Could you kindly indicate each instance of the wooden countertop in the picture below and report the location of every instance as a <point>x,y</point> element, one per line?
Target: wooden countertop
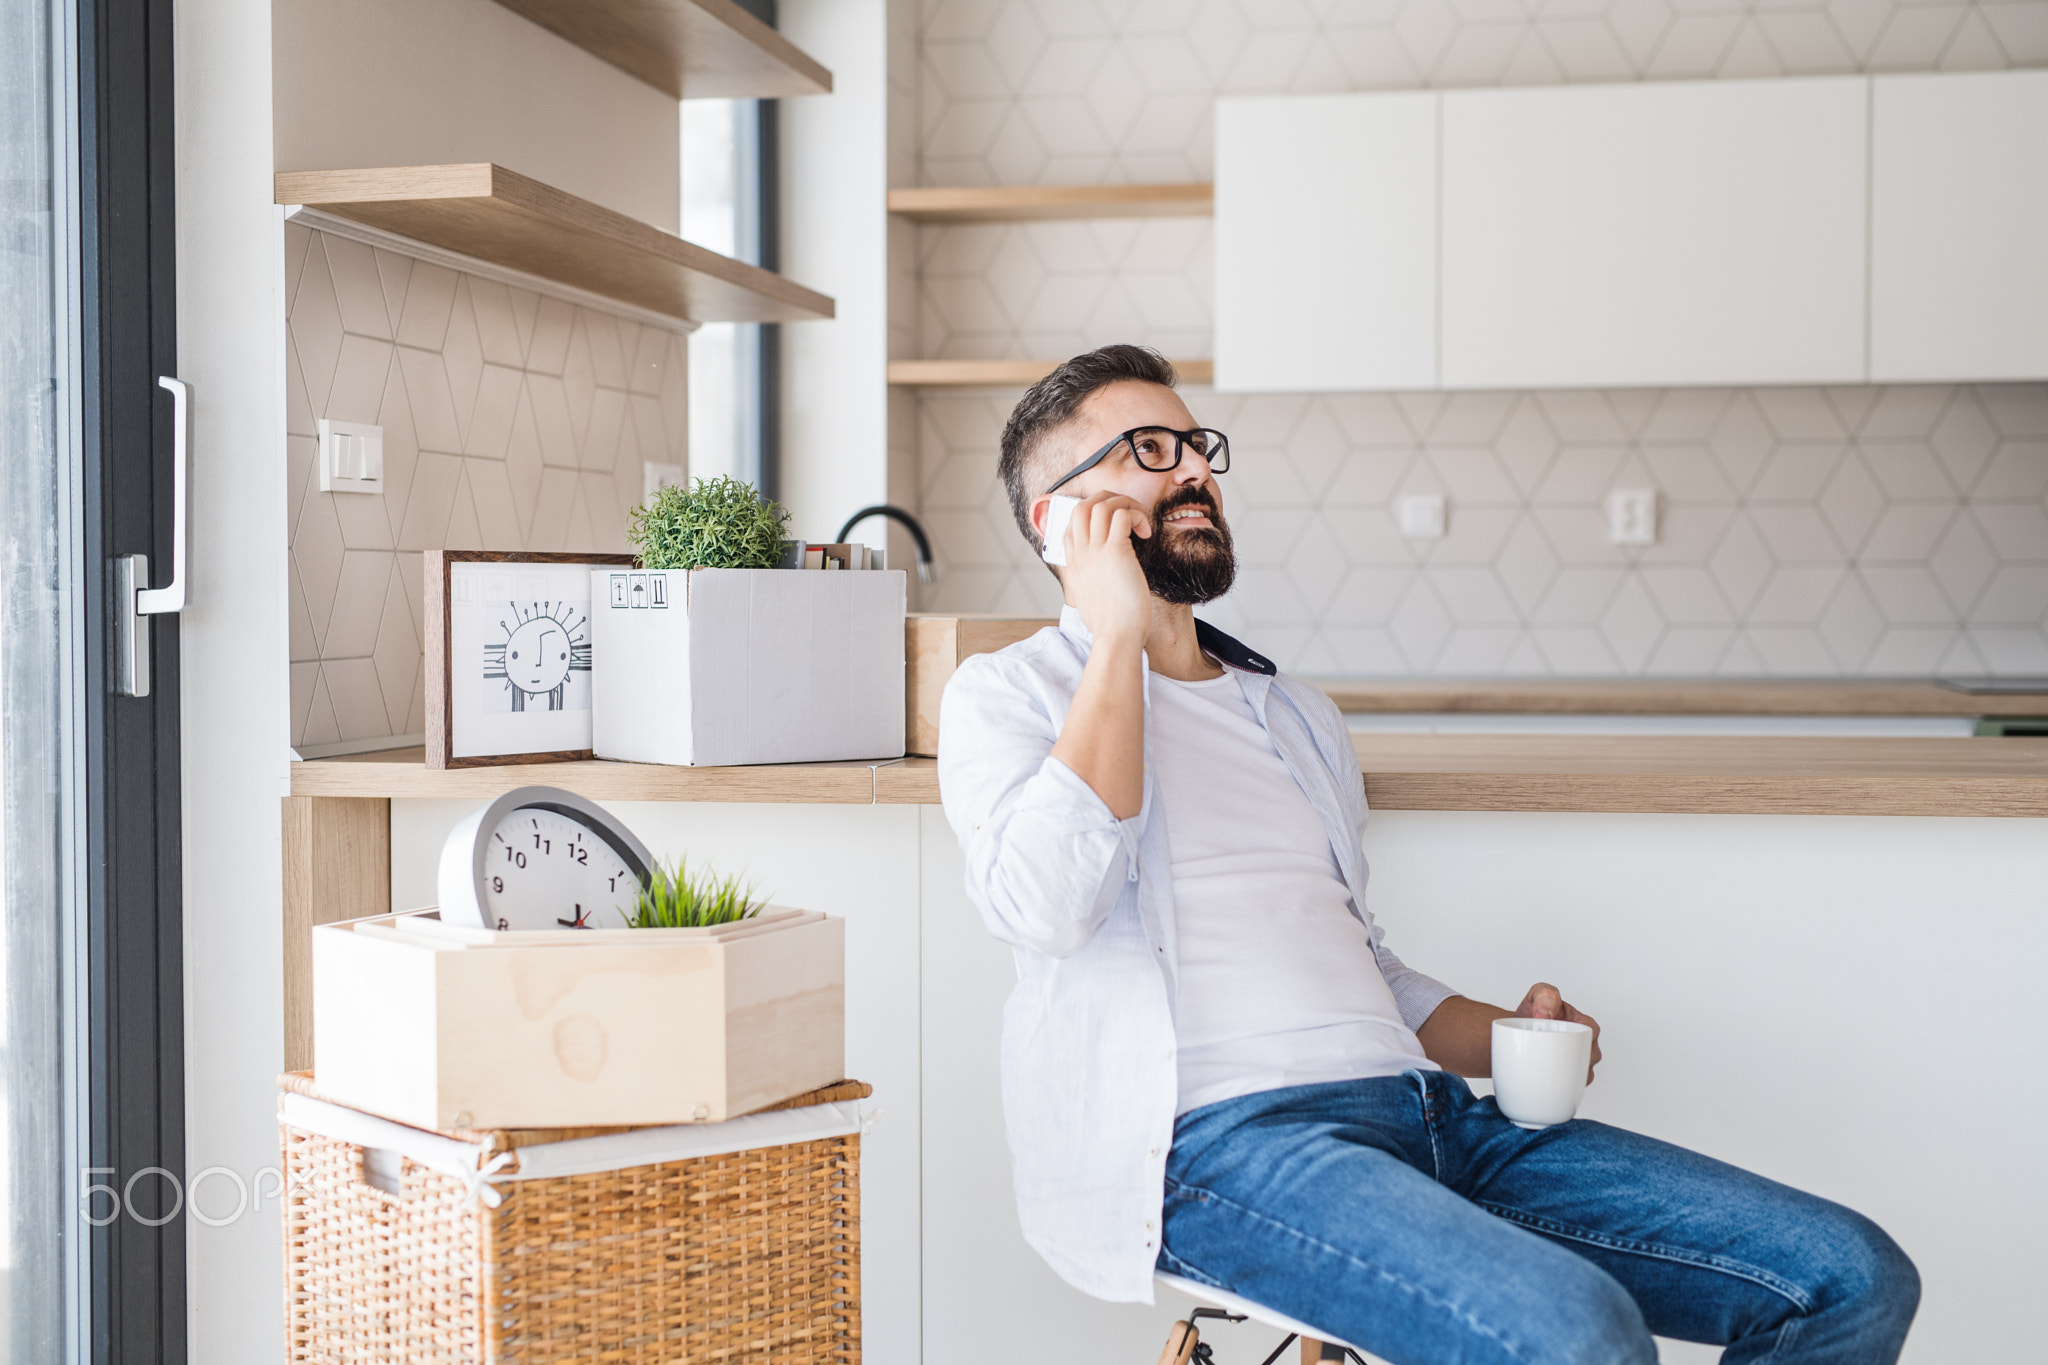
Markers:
<point>1646,773</point>
<point>1731,776</point>
<point>1679,697</point>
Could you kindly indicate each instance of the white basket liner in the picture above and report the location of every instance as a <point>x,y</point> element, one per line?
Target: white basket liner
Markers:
<point>474,1163</point>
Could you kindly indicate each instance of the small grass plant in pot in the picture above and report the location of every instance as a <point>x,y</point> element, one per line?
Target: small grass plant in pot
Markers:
<point>721,523</point>
<point>677,898</point>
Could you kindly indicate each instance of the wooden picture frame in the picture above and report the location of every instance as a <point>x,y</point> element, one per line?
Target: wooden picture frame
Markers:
<point>454,682</point>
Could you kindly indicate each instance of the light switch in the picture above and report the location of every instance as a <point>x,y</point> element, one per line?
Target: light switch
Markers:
<point>1422,516</point>
<point>654,477</point>
<point>351,457</point>
<point>1632,516</point>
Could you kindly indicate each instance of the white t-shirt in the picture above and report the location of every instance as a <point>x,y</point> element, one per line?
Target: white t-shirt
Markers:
<point>1278,984</point>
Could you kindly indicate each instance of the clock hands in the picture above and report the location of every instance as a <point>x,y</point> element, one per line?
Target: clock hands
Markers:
<point>578,922</point>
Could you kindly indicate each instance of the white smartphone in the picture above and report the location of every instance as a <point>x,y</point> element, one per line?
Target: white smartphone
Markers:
<point>1056,518</point>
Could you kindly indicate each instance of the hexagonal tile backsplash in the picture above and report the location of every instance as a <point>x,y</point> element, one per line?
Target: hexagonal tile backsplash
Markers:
<point>512,421</point>
<point>1802,531</point>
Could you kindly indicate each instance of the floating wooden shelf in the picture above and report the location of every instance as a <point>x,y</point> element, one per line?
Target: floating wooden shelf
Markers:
<point>1006,374</point>
<point>1009,203</point>
<point>404,773</point>
<point>502,217</point>
<point>691,49</point>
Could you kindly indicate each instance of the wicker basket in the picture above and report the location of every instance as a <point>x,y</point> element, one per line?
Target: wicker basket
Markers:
<point>743,1256</point>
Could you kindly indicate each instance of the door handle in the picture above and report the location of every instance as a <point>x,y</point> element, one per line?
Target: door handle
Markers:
<point>134,599</point>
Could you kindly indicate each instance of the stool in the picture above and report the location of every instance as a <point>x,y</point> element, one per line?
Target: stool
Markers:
<point>1184,1342</point>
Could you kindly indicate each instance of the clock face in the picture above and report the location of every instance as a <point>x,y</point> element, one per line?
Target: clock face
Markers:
<point>547,869</point>
<point>541,858</point>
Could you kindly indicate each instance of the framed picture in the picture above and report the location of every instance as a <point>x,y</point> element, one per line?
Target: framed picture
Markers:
<point>508,656</point>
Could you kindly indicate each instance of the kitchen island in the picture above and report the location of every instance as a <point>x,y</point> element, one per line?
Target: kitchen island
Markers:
<point>1811,956</point>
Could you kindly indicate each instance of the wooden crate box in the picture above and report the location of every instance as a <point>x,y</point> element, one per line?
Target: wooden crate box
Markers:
<point>446,1027</point>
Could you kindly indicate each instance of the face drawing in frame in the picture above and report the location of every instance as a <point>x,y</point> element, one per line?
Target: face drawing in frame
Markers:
<point>543,642</point>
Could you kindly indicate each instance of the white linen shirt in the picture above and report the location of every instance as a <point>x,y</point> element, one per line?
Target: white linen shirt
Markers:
<point>1085,901</point>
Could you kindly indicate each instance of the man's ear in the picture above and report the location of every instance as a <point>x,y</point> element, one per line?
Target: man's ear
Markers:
<point>1038,513</point>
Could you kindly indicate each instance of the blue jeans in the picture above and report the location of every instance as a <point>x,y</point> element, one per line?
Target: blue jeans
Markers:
<point>1406,1216</point>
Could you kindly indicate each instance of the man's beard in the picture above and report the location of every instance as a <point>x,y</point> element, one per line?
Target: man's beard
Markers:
<point>1190,565</point>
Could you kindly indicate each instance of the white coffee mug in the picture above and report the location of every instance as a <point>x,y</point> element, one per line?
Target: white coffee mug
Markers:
<point>1539,1069</point>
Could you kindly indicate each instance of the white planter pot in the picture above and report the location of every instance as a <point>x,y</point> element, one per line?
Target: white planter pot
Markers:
<point>721,666</point>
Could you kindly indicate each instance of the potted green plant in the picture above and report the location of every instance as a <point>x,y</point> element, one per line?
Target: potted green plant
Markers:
<point>677,898</point>
<point>721,523</point>
<point>702,653</point>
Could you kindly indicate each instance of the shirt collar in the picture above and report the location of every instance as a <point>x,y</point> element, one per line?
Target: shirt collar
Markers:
<point>1220,647</point>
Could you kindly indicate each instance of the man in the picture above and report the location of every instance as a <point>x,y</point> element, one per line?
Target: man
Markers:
<point>1212,1063</point>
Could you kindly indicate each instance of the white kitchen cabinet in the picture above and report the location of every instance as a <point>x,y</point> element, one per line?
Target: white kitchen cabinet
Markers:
<point>1705,232</point>
<point>1959,227</point>
<point>1326,238</point>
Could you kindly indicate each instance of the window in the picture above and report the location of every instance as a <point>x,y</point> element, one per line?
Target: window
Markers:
<point>710,174</point>
<point>730,206</point>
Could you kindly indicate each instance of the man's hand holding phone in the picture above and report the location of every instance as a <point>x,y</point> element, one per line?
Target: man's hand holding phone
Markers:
<point>1102,576</point>
<point>1103,738</point>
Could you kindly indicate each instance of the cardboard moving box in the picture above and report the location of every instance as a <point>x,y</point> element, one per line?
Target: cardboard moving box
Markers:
<point>721,666</point>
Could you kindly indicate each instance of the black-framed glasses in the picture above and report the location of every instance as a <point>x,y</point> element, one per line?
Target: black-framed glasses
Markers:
<point>1149,448</point>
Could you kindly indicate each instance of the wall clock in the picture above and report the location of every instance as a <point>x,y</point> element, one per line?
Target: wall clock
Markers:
<point>541,858</point>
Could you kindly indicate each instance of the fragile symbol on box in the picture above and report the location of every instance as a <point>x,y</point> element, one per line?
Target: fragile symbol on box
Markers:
<point>619,590</point>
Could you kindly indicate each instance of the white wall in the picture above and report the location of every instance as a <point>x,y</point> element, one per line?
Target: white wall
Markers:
<point>457,80</point>
<point>405,83</point>
<point>835,239</point>
<point>232,640</point>
<point>512,421</point>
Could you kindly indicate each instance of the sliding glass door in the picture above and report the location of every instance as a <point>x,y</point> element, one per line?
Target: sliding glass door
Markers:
<point>91,1119</point>
<point>40,722</point>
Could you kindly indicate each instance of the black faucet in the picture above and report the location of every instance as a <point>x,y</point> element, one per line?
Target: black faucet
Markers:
<point>925,573</point>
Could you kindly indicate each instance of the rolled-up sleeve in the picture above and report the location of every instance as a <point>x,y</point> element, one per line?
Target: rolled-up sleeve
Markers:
<point>1046,859</point>
<point>1415,995</point>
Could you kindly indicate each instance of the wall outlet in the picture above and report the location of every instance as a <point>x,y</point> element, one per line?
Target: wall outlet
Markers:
<point>1422,516</point>
<point>351,457</point>
<point>654,477</point>
<point>1632,516</point>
